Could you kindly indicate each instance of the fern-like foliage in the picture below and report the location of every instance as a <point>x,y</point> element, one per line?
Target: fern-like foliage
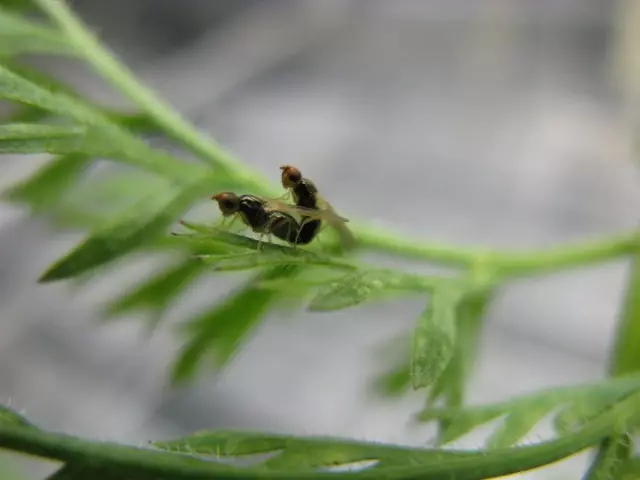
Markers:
<point>104,178</point>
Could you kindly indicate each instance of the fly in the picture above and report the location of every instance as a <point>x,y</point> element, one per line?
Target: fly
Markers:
<point>311,207</point>
<point>253,212</point>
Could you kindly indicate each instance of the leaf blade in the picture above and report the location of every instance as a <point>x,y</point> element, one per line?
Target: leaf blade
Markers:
<point>111,243</point>
<point>364,285</point>
<point>223,327</point>
<point>434,337</point>
<point>47,185</point>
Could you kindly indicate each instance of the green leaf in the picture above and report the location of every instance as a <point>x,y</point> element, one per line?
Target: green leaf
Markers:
<point>524,408</point>
<point>359,287</point>
<point>47,186</point>
<point>583,410</point>
<point>469,320</point>
<point>37,138</point>
<point>222,328</point>
<point>269,258</point>
<point>110,139</point>
<point>625,353</point>
<point>136,122</point>
<point>629,470</point>
<point>302,454</point>
<point>111,243</point>
<point>9,417</point>
<point>518,423</point>
<point>434,337</point>
<point>451,384</point>
<point>394,382</point>
<point>610,462</point>
<point>158,292</point>
<point>19,36</point>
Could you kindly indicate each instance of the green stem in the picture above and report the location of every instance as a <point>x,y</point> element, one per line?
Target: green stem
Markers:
<point>459,466</point>
<point>626,349</point>
<point>175,126</point>
<point>506,263</point>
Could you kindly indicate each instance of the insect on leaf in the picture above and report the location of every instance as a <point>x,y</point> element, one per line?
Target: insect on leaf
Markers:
<point>434,337</point>
<point>111,243</point>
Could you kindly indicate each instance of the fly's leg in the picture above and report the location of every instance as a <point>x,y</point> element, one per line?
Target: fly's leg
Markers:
<point>225,223</point>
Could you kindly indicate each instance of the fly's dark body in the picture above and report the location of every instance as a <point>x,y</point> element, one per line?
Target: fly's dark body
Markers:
<point>253,212</point>
<point>305,194</point>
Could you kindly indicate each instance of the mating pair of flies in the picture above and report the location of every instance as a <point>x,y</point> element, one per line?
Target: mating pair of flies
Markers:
<point>275,217</point>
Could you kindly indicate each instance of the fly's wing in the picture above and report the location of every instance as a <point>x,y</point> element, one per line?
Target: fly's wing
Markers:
<point>347,239</point>
<point>326,213</point>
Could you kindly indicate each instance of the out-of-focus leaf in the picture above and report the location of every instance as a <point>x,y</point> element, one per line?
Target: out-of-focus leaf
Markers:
<point>136,122</point>
<point>395,381</point>
<point>614,452</point>
<point>221,329</point>
<point>9,417</point>
<point>157,293</point>
<point>583,410</point>
<point>45,188</point>
<point>19,35</point>
<point>524,408</point>
<point>85,471</point>
<point>28,138</point>
<point>37,138</point>
<point>115,241</point>
<point>110,139</point>
<point>363,285</point>
<point>626,354</point>
<point>451,384</point>
<point>269,258</point>
<point>434,337</point>
<point>629,470</point>
<point>518,424</point>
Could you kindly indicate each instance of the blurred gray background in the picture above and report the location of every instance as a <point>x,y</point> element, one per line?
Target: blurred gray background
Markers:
<point>505,123</point>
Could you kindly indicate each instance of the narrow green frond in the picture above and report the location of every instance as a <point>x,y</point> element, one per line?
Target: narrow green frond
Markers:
<point>220,330</point>
<point>435,336</point>
<point>368,284</point>
<point>524,412</point>
<point>21,36</point>
<point>48,185</point>
<point>117,240</point>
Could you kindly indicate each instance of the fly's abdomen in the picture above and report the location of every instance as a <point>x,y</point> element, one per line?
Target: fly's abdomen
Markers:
<point>308,231</point>
<point>284,226</point>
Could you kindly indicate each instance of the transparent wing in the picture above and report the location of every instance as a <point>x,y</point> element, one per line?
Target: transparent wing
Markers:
<point>326,213</point>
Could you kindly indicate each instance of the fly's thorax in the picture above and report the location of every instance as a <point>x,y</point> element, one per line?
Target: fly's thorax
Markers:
<point>253,213</point>
<point>305,194</point>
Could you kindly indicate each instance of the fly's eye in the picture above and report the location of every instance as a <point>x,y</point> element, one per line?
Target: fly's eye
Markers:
<point>228,204</point>
<point>295,176</point>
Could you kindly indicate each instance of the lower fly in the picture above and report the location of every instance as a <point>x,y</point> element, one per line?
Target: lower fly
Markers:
<point>253,212</point>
